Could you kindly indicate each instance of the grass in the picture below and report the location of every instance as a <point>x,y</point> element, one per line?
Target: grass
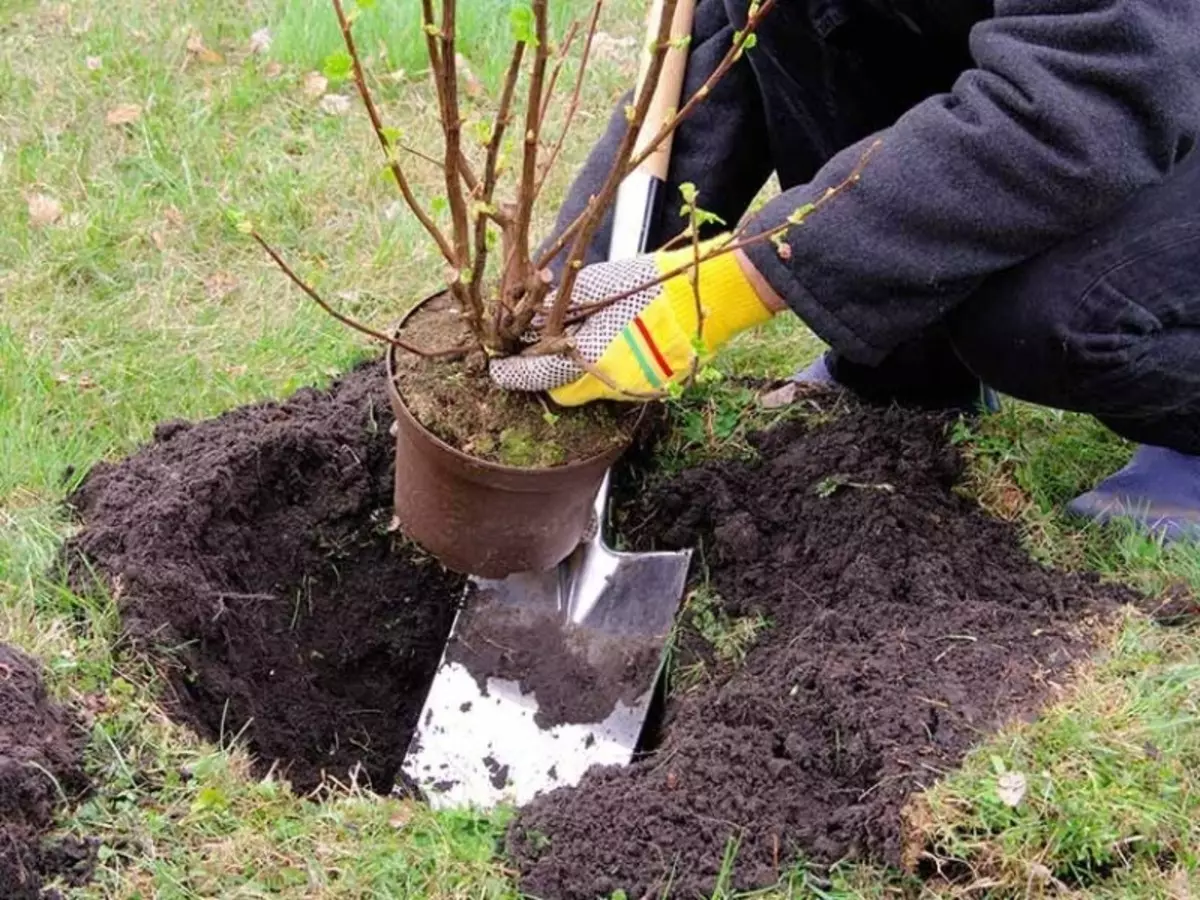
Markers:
<point>141,302</point>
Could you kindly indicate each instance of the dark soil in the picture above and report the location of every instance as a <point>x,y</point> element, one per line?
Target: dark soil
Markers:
<point>905,624</point>
<point>577,673</point>
<point>458,402</point>
<point>40,743</point>
<point>251,554</point>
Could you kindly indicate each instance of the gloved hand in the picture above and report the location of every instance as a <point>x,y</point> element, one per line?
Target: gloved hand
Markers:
<point>645,342</point>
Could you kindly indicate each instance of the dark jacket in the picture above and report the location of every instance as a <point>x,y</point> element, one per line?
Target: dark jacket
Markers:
<point>1003,132</point>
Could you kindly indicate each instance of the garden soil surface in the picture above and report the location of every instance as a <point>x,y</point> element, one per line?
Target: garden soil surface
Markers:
<point>251,555</point>
<point>904,624</point>
<point>41,743</point>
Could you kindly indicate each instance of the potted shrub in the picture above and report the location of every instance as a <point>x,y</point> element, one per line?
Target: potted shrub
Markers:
<point>494,482</point>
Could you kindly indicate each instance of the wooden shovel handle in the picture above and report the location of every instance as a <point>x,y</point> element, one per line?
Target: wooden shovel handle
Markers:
<point>668,94</point>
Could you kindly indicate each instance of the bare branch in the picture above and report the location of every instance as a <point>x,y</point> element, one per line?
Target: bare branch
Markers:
<point>346,320</point>
<point>576,357</point>
<point>573,107</point>
<point>563,50</point>
<point>503,114</point>
<point>598,204</point>
<point>393,163</point>
<point>517,270</point>
<point>736,49</point>
<point>734,243</point>
<point>447,78</point>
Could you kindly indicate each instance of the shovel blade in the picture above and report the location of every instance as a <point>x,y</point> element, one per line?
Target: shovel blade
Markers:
<point>546,675</point>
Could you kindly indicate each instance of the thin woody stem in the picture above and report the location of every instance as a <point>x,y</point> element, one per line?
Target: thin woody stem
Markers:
<point>468,300</point>
<point>376,123</point>
<point>563,50</point>
<point>346,320</point>
<point>598,205</point>
<point>489,180</point>
<point>517,269</point>
<point>733,244</point>
<point>732,55</point>
<point>573,107</point>
<point>694,278</point>
<point>576,357</point>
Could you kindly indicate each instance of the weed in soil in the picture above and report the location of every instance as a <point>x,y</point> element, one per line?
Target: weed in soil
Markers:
<point>41,746</point>
<point>466,410</point>
<point>252,559</point>
<point>905,624</point>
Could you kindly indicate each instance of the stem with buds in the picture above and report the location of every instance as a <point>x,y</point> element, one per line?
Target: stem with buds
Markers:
<point>501,309</point>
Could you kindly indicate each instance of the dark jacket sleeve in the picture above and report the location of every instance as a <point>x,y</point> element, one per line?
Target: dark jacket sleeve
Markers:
<point>1071,108</point>
<point>721,147</point>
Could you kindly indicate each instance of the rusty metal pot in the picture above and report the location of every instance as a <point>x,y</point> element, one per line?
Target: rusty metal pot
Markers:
<point>481,518</point>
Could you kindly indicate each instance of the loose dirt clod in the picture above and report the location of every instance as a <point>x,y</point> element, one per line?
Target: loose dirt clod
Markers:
<point>41,746</point>
<point>251,553</point>
<point>903,624</point>
<point>577,674</point>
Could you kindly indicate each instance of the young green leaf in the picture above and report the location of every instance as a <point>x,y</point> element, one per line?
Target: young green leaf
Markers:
<point>522,23</point>
<point>338,66</point>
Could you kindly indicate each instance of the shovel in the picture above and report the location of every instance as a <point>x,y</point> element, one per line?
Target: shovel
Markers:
<point>547,674</point>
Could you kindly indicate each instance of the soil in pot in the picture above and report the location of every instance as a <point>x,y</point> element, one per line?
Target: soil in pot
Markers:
<point>41,743</point>
<point>252,556</point>
<point>456,401</point>
<point>891,625</point>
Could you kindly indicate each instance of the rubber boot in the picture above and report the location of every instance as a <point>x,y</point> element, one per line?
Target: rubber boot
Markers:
<point>819,374</point>
<point>1159,491</point>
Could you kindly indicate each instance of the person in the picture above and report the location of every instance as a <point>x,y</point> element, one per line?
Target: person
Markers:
<point>1029,219</point>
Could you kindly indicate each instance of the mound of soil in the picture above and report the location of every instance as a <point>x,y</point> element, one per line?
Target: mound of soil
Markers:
<point>253,554</point>
<point>41,743</point>
<point>903,624</point>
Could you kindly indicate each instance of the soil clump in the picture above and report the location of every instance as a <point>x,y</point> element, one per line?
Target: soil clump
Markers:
<point>457,401</point>
<point>41,766</point>
<point>577,673</point>
<point>252,556</point>
<point>903,624</point>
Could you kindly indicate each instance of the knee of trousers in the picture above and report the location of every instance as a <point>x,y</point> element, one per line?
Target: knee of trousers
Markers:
<point>1106,338</point>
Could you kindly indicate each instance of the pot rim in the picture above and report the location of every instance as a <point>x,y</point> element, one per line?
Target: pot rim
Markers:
<point>487,465</point>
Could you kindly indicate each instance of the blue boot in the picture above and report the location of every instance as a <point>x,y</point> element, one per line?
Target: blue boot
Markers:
<point>1159,491</point>
<point>818,374</point>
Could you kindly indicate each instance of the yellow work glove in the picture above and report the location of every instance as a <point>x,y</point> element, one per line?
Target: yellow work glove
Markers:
<point>643,343</point>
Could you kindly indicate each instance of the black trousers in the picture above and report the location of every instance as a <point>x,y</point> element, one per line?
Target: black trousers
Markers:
<point>1107,323</point>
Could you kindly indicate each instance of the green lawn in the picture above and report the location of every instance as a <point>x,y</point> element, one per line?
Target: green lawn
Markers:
<point>133,134</point>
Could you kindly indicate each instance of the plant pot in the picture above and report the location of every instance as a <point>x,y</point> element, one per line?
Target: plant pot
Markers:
<point>482,518</point>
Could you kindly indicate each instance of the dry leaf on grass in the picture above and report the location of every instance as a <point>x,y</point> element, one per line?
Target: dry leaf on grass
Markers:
<point>335,105</point>
<point>196,47</point>
<point>125,114</point>
<point>260,41</point>
<point>315,84</point>
<point>220,285</point>
<point>1011,788</point>
<point>43,210</point>
<point>474,87</point>
<point>93,63</point>
<point>274,69</point>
